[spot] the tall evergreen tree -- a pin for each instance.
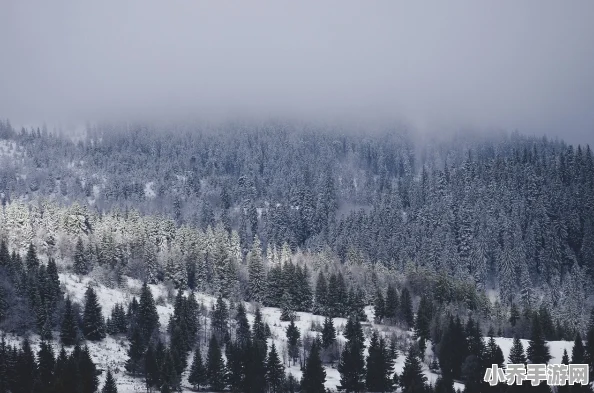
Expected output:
(275, 371)
(215, 366)
(538, 349)
(516, 353)
(110, 385)
(93, 325)
(80, 264)
(314, 375)
(197, 375)
(69, 328)
(293, 340)
(412, 379)
(328, 333)
(406, 310)
(578, 355)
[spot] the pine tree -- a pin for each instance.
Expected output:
(538, 349)
(259, 328)
(379, 307)
(516, 353)
(374, 380)
(110, 384)
(514, 314)
(26, 368)
(352, 364)
(392, 303)
(257, 272)
(578, 351)
(47, 363)
(147, 317)
(328, 333)
(220, 316)
(314, 375)
(412, 379)
(275, 371)
(406, 310)
(215, 367)
(422, 322)
(80, 264)
(93, 323)
(31, 260)
(321, 295)
(69, 328)
(135, 350)
(242, 330)
(197, 371)
(293, 340)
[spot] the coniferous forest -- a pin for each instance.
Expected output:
(429, 252)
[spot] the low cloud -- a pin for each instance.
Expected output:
(504, 65)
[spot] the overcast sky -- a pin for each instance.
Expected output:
(442, 65)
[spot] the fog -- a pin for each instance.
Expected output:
(508, 65)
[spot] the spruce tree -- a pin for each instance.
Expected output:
(379, 307)
(47, 363)
(328, 333)
(352, 364)
(374, 379)
(135, 351)
(26, 368)
(293, 340)
(538, 349)
(321, 294)
(514, 314)
(69, 328)
(80, 265)
(242, 330)
(275, 371)
(215, 367)
(406, 310)
(220, 316)
(392, 303)
(93, 323)
(197, 371)
(147, 317)
(110, 385)
(314, 375)
(412, 379)
(516, 353)
(578, 351)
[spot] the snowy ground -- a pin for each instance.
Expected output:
(111, 353)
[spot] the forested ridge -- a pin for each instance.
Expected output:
(447, 239)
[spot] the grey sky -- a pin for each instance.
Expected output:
(526, 65)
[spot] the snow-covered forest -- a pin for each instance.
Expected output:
(306, 257)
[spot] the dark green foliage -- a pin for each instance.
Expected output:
(293, 340)
(110, 384)
(147, 318)
(352, 364)
(242, 330)
(215, 367)
(314, 374)
(275, 371)
(80, 264)
(392, 303)
(328, 333)
(379, 308)
(516, 353)
(380, 366)
(93, 325)
(220, 316)
(69, 328)
(412, 379)
(47, 363)
(406, 310)
(538, 349)
(197, 375)
(578, 355)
